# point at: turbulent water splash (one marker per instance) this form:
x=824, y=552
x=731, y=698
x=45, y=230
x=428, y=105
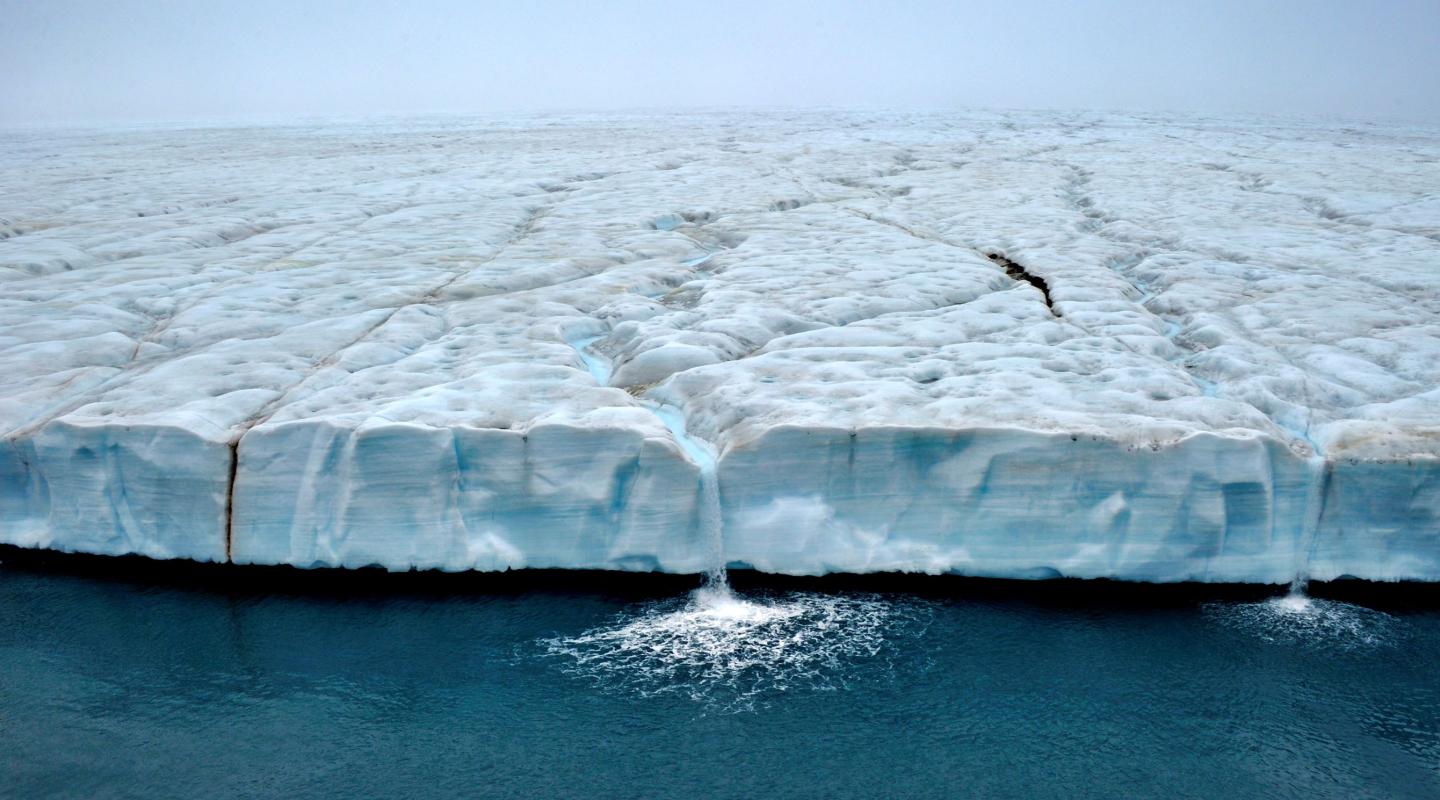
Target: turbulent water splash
x=1299, y=619
x=730, y=653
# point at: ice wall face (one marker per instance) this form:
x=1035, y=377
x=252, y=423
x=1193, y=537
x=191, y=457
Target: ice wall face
x=1013, y=345
x=1016, y=504
x=464, y=498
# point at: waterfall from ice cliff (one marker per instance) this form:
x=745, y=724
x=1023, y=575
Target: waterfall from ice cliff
x=702, y=454
x=717, y=587
x=1295, y=618
x=723, y=650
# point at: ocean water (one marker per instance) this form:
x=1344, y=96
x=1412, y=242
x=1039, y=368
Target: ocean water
x=129, y=680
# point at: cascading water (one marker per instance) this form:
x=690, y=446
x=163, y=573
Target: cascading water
x=708, y=516
x=1315, y=513
x=702, y=454
x=1296, y=618
x=718, y=648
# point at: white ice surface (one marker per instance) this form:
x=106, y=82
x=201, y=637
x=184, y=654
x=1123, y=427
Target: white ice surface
x=443, y=343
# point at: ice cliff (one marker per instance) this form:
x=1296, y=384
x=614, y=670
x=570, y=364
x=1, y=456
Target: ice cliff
x=991, y=344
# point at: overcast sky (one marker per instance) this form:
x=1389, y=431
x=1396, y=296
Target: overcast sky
x=84, y=60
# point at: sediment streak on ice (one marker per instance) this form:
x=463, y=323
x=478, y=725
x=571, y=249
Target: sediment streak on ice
x=1236, y=375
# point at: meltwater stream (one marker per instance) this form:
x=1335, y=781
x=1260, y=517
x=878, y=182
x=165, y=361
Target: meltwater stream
x=716, y=647
x=700, y=452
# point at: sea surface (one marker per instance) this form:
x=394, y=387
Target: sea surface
x=124, y=679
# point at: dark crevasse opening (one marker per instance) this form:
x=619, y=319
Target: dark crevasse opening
x=1019, y=273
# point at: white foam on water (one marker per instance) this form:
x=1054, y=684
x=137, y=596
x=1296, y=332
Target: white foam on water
x=730, y=653
x=1299, y=619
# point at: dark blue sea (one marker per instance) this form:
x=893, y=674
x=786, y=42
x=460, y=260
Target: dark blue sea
x=127, y=679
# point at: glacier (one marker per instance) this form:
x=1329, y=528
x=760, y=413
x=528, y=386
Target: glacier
x=1008, y=344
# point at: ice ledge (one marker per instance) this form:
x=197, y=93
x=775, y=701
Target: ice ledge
x=153, y=490
x=804, y=501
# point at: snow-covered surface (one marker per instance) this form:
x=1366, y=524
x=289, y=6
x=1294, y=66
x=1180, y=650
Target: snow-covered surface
x=490, y=343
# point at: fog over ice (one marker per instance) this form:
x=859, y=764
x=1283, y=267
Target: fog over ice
x=88, y=61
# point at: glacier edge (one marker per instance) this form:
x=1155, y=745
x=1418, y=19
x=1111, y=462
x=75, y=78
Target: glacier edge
x=1024, y=344
x=985, y=502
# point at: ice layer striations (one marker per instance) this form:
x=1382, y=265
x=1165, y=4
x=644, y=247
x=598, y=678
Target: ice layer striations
x=1023, y=345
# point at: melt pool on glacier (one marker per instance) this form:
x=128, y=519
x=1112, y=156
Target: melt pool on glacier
x=1000, y=344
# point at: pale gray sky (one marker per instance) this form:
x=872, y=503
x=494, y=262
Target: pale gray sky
x=93, y=60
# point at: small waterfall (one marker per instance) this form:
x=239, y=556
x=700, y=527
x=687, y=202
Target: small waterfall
x=716, y=591
x=1310, y=534
x=717, y=586
x=1296, y=618
x=723, y=650
x=710, y=527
